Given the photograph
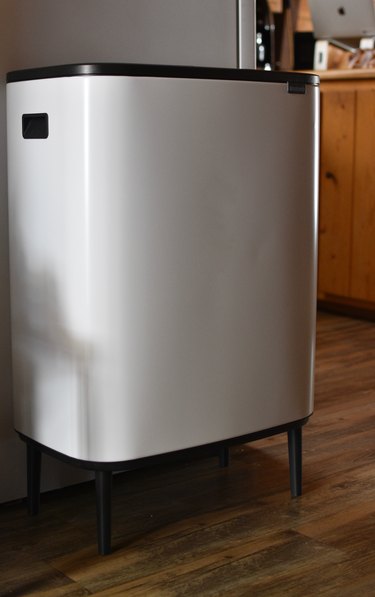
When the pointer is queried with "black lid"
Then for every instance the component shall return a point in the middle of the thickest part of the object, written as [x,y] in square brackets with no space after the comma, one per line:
[151,70]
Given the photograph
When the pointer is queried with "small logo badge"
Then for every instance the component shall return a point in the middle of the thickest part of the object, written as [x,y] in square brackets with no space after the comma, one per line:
[341,11]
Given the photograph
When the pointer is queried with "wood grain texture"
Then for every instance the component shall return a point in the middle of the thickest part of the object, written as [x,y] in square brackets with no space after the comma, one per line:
[362,284]
[198,529]
[346,74]
[347,195]
[304,20]
[336,190]
[301,13]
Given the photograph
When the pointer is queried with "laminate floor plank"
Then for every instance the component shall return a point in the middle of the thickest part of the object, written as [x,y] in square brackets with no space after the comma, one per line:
[193,528]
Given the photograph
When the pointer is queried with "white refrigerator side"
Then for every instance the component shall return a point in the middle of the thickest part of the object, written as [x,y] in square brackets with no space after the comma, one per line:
[213,33]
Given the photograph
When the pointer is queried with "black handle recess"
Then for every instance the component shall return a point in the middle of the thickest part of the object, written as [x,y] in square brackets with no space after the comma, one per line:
[35,126]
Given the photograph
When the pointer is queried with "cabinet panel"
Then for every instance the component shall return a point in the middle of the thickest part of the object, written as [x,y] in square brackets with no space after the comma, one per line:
[363,250]
[336,188]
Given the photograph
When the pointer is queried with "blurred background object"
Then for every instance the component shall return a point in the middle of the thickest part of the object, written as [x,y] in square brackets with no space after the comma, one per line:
[265,36]
[320,34]
[285,30]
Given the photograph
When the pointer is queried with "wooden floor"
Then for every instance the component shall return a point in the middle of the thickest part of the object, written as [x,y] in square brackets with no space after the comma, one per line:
[196,529]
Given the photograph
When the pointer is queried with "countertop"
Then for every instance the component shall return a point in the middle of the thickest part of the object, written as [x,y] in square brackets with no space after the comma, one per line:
[345,75]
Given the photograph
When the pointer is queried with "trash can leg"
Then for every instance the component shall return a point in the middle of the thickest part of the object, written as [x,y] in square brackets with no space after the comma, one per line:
[224,456]
[103,510]
[295,460]
[34,459]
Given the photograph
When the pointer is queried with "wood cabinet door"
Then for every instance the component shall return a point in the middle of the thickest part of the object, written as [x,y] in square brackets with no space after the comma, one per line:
[362,284]
[338,109]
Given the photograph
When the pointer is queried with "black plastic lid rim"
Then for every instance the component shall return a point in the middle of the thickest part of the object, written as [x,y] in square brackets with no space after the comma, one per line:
[152,70]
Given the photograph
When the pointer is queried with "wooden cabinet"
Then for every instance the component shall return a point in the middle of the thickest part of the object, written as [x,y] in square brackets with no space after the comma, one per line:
[346,272]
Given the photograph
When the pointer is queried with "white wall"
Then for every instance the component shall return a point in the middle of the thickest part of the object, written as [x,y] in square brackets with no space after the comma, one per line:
[44,32]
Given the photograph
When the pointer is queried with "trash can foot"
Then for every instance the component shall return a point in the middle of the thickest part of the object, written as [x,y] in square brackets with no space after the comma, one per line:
[103,510]
[34,460]
[295,460]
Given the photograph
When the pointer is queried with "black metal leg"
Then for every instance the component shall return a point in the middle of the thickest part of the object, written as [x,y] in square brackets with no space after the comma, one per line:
[34,460]
[224,456]
[103,510]
[295,460]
